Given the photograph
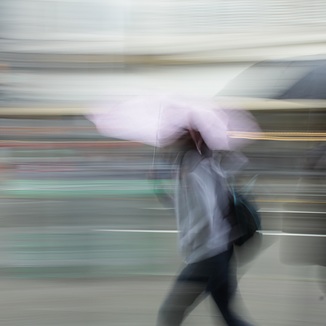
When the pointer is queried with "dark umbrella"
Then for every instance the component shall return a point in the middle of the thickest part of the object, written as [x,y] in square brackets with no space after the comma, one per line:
[283,80]
[303,240]
[311,86]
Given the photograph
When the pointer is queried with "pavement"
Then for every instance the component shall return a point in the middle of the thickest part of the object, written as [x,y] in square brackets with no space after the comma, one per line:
[269,295]
[62,263]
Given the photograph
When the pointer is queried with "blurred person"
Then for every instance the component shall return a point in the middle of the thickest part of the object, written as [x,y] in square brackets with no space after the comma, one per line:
[163,194]
[202,209]
[307,248]
[315,162]
[316,158]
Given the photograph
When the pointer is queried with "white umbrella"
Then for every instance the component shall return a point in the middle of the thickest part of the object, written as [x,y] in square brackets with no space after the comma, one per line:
[159,120]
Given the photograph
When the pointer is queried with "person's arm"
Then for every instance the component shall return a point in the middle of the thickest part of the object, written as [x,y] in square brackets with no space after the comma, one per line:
[199,208]
[164,196]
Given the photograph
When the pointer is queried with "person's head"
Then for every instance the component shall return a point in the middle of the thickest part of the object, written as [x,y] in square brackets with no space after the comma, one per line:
[191,140]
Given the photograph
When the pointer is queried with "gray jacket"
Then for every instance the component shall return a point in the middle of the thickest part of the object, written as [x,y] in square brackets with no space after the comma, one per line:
[201,206]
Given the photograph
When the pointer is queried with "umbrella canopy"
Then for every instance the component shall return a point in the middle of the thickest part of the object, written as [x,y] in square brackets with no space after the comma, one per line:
[159,120]
[311,86]
[302,78]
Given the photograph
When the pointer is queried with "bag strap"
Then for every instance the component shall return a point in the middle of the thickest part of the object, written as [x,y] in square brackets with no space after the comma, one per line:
[248,186]
[244,189]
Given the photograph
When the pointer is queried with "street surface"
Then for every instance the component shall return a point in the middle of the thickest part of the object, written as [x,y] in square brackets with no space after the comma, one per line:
[271,294]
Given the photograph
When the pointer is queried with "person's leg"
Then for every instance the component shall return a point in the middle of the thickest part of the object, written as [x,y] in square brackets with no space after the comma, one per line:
[179,302]
[222,300]
[222,289]
[188,287]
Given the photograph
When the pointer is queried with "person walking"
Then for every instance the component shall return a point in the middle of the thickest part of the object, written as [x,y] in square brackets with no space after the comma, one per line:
[202,209]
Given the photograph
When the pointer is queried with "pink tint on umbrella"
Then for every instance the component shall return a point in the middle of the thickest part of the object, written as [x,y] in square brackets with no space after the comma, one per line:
[212,127]
[160,120]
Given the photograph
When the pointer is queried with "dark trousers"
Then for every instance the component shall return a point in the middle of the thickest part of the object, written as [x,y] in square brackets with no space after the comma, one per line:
[210,276]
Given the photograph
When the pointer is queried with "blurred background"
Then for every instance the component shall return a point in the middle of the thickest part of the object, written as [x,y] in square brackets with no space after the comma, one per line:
[87,237]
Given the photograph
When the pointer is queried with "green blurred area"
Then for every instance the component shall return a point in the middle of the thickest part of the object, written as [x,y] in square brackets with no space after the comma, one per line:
[55,189]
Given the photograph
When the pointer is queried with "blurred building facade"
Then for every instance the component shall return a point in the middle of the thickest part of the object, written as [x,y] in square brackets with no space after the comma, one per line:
[135,26]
